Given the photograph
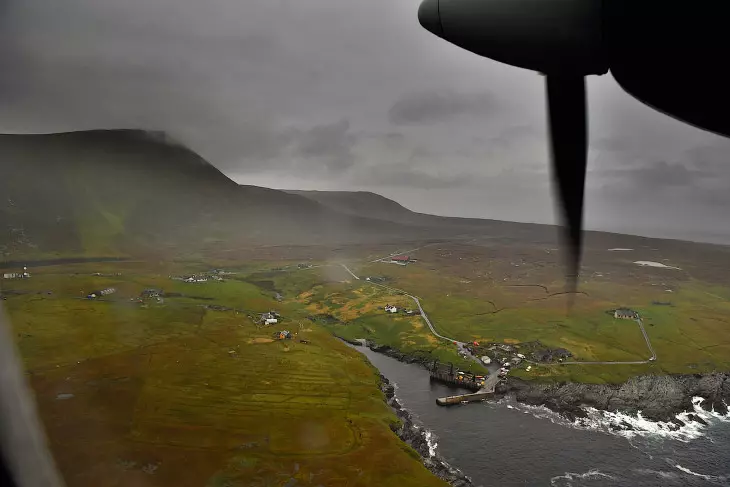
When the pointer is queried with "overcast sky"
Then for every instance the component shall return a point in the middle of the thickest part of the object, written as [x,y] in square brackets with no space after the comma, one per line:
[336,94]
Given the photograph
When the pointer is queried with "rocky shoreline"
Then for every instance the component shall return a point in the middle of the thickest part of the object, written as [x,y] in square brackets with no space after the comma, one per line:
[418,439]
[657,397]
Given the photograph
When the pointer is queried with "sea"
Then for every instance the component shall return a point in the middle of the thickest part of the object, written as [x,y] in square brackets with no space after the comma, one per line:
[505,443]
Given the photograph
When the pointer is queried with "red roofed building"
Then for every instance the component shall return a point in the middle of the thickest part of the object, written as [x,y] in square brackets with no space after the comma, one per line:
[401,258]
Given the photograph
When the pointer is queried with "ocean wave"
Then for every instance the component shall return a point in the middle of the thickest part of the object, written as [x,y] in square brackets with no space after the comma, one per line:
[566,480]
[658,473]
[629,426]
[716,479]
[428,435]
[431,442]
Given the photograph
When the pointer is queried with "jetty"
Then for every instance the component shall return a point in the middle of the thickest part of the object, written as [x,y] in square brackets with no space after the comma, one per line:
[483,388]
[462,398]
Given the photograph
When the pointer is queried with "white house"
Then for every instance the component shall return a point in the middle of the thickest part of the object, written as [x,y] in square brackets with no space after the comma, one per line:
[17,275]
[486,360]
[270,321]
[391,309]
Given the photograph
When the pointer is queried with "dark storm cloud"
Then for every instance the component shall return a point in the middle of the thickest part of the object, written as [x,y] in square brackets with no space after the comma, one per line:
[658,174]
[439,106]
[307,94]
[331,143]
[407,176]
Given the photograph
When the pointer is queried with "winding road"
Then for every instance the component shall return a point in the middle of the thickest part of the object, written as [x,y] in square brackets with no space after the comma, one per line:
[415,300]
[462,345]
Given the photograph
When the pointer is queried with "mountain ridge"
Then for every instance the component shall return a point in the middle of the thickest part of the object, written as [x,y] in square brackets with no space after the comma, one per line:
[121,192]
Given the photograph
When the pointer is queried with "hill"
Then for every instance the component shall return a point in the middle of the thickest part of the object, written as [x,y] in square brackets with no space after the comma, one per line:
[110,192]
[374,206]
[126,192]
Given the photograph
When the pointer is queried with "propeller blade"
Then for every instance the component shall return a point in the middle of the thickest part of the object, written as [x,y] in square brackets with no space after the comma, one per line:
[566,95]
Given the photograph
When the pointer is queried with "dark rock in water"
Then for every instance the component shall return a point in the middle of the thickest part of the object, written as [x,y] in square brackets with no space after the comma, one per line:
[416,437]
[696,419]
[659,398]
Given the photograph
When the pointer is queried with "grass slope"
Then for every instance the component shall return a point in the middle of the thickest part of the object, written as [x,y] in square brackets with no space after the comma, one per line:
[126,192]
[175,394]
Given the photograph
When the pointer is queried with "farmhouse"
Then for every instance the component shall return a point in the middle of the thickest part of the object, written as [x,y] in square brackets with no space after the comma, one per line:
[151,293]
[390,309]
[401,259]
[270,318]
[17,275]
[625,314]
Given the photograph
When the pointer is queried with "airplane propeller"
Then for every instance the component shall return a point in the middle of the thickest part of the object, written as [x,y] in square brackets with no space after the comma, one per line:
[560,39]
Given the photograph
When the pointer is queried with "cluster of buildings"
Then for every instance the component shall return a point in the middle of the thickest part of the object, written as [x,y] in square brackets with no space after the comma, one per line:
[17,275]
[214,275]
[389,308]
[270,318]
[103,292]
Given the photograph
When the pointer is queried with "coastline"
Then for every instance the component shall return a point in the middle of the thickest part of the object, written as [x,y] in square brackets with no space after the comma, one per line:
[657,398]
[420,440]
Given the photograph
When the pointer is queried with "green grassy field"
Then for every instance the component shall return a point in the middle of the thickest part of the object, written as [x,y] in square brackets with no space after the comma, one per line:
[130,392]
[466,302]
[173,394]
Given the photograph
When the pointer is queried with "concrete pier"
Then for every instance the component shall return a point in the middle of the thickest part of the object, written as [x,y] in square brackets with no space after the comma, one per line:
[451,400]
[484,393]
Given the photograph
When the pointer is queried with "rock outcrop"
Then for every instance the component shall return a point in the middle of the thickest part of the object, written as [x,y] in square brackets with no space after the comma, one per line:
[417,438]
[658,397]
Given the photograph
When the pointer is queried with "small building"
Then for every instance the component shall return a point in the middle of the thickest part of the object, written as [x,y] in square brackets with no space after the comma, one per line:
[390,309]
[107,291]
[270,318]
[625,314]
[486,360]
[151,293]
[401,259]
[516,361]
[519,355]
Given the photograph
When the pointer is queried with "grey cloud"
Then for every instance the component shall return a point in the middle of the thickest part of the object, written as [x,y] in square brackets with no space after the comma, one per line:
[331,143]
[303,92]
[655,175]
[438,106]
[403,175]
